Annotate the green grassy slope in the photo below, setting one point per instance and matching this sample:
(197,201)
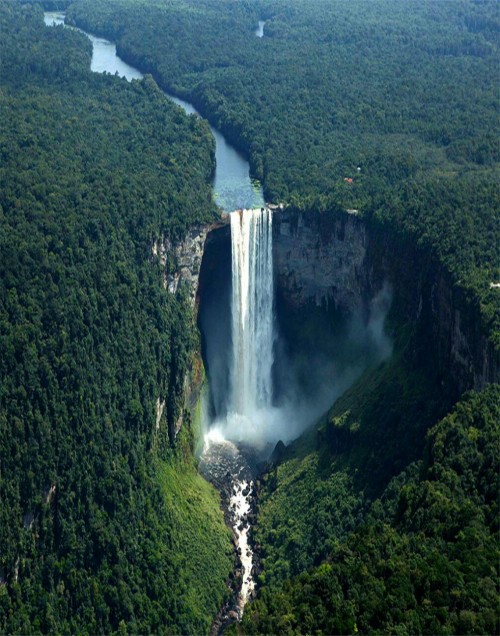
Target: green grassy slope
(200,539)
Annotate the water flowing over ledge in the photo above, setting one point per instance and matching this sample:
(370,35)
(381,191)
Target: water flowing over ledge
(222,462)
(250,382)
(259,32)
(252,311)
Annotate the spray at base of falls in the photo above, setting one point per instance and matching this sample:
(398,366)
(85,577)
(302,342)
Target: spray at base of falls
(250,413)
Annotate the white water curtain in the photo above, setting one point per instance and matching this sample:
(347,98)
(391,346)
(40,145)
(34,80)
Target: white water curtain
(252,311)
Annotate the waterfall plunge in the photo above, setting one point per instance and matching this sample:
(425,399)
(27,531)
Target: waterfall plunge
(258,398)
(250,414)
(250,384)
(252,311)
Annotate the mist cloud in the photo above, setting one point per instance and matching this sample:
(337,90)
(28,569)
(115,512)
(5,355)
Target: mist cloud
(364,344)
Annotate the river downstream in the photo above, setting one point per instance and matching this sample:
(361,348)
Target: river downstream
(232,470)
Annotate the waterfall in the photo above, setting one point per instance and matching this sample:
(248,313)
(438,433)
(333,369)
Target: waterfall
(231,467)
(252,312)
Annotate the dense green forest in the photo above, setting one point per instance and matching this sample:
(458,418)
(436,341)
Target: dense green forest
(400,97)
(385,518)
(105,524)
(424,559)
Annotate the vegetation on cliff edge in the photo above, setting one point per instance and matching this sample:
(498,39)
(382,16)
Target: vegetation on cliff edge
(387,107)
(424,559)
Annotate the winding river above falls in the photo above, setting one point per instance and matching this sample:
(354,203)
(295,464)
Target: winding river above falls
(233,187)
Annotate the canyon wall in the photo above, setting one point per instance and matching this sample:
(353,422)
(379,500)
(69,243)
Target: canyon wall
(342,261)
(181,265)
(320,258)
(338,262)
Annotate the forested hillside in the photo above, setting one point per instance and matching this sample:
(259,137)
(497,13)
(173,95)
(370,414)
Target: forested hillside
(105,524)
(400,98)
(385,520)
(424,559)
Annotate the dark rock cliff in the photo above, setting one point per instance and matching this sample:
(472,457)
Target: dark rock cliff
(341,260)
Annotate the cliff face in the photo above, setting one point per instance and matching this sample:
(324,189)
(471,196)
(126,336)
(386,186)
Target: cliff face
(340,260)
(320,259)
(181,266)
(181,262)
(463,348)
(340,263)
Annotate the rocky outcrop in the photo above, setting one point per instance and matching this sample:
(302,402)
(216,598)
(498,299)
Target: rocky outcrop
(160,407)
(181,262)
(463,347)
(341,262)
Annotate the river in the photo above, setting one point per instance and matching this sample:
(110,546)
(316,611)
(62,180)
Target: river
(233,187)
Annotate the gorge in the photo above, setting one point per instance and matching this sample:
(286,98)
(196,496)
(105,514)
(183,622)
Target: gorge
(346,295)
(342,271)
(330,364)
(331,271)
(339,265)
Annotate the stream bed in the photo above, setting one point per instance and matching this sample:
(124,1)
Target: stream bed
(232,469)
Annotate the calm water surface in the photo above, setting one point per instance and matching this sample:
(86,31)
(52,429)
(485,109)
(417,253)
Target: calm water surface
(233,188)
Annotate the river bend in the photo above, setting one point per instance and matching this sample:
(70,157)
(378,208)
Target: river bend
(233,188)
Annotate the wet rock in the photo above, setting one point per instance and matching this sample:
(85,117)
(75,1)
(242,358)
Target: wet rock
(319,259)
(231,469)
